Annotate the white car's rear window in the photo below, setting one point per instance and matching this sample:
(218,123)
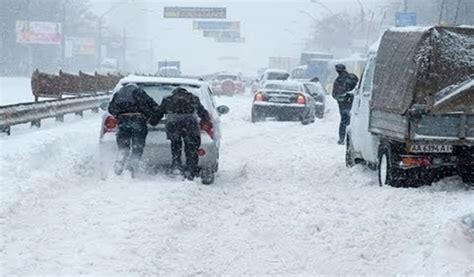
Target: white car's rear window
(158,91)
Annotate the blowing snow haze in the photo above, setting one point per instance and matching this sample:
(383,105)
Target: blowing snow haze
(236,138)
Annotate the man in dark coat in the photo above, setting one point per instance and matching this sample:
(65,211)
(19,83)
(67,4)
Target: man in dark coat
(133,108)
(343,84)
(182,108)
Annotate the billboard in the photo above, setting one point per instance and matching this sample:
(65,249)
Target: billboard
(194,12)
(216,25)
(403,19)
(37,32)
(229,40)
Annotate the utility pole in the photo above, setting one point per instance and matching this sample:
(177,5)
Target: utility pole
(124,49)
(457,12)
(405,5)
(443,2)
(99,31)
(63,35)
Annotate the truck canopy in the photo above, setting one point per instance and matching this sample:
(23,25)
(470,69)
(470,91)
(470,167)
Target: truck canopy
(417,65)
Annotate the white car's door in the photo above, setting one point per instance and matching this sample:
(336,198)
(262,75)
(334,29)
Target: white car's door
(363,141)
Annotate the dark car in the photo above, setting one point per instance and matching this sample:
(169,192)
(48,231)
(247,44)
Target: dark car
(284,100)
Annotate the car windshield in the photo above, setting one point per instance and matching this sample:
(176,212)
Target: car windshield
(278,76)
(227,77)
(290,87)
(158,91)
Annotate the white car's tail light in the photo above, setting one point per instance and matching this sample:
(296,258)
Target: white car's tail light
(300,99)
(110,124)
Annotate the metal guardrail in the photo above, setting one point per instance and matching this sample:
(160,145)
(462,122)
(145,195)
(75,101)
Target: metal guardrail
(34,112)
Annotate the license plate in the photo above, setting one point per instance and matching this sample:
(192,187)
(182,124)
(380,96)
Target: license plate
(431,148)
(279,100)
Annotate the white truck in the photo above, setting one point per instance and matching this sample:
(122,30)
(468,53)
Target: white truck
(412,117)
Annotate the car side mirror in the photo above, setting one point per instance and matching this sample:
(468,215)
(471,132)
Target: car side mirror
(104,106)
(223,109)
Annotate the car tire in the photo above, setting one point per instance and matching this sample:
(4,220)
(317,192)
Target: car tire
(306,120)
(320,115)
(386,172)
(256,117)
(207,176)
(467,174)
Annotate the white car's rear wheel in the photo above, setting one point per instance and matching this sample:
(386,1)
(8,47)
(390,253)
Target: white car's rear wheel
(207,176)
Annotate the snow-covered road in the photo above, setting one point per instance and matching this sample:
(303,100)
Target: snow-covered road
(283,203)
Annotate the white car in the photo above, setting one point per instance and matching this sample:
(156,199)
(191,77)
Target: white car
(157,153)
(270,75)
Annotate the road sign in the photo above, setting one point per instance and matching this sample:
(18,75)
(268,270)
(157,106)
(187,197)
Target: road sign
(195,12)
(229,40)
(403,19)
(216,25)
(221,34)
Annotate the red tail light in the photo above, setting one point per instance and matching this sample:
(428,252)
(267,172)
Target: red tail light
(300,99)
(415,161)
(201,152)
(259,96)
(110,124)
(208,128)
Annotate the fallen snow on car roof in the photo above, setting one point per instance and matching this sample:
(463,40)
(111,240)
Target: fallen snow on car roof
(152,79)
(276,70)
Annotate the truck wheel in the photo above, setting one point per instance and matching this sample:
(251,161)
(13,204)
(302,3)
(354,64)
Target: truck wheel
(350,159)
(387,174)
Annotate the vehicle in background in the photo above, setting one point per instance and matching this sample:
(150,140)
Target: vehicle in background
(157,151)
(169,71)
(285,63)
(316,90)
(418,127)
(169,68)
(272,74)
(284,100)
(108,65)
(314,68)
(227,84)
(299,73)
(313,64)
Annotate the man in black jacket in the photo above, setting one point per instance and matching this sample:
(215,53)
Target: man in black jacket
(182,125)
(133,108)
(343,84)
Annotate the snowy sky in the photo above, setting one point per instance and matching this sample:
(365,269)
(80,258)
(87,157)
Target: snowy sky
(270,28)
